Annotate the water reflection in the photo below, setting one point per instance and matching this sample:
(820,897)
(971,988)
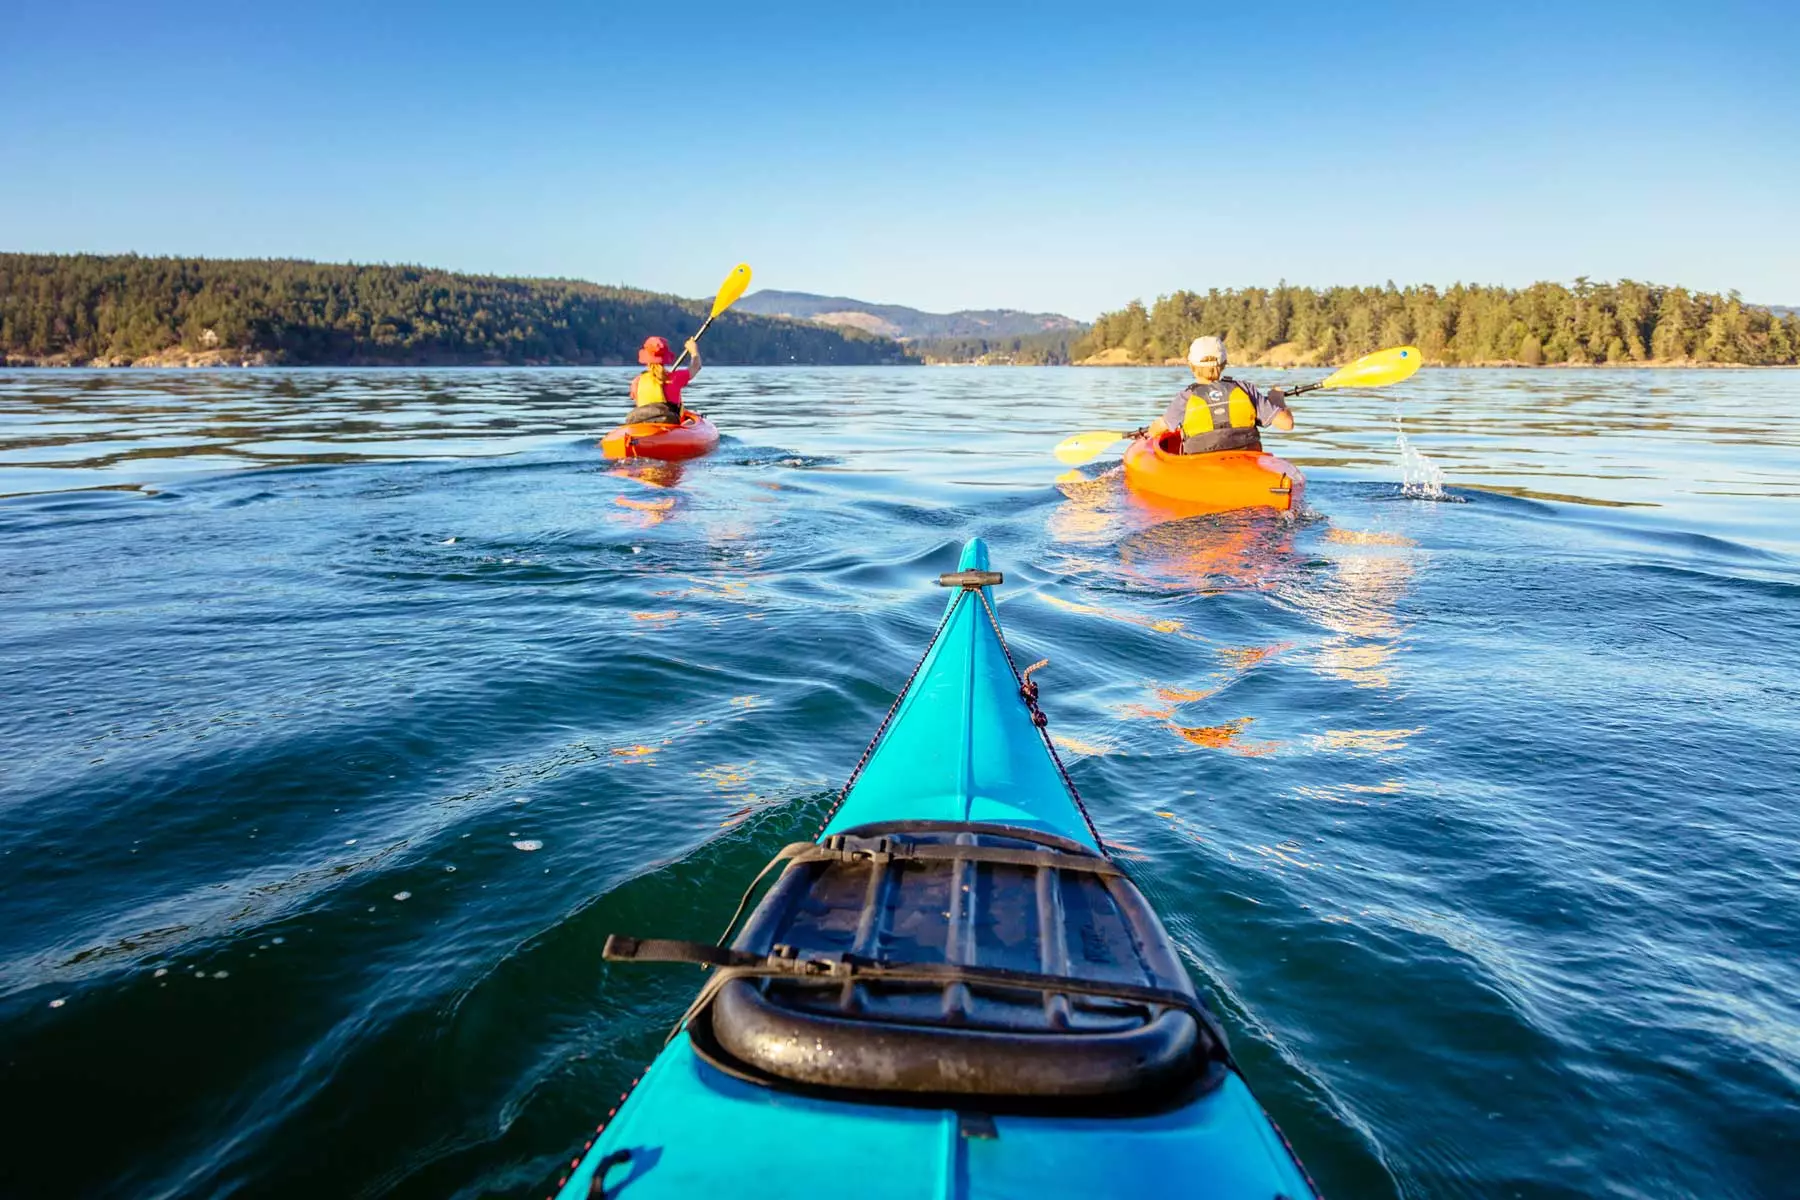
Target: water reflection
(1160,546)
(1357,602)
(649,471)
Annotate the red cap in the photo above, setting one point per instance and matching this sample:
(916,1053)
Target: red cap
(656,349)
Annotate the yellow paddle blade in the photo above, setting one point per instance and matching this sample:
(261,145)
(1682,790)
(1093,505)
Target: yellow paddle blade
(1378,369)
(732,288)
(1085,447)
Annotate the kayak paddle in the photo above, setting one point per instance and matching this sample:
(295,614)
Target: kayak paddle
(1086,447)
(1371,370)
(729,292)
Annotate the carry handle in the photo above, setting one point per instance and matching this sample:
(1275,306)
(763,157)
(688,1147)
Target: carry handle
(970,580)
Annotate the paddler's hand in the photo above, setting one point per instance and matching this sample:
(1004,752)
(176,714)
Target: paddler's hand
(693,348)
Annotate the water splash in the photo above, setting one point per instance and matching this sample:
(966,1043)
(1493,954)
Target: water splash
(1420,478)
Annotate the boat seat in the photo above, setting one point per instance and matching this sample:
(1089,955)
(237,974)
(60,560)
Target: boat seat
(953,961)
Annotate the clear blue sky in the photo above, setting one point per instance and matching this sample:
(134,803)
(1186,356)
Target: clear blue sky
(1044,156)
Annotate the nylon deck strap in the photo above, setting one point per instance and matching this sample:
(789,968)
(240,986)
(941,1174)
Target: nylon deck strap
(786,963)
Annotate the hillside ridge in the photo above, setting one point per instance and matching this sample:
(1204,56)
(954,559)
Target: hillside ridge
(131,310)
(902,322)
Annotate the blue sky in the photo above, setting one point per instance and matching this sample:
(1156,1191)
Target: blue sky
(1044,156)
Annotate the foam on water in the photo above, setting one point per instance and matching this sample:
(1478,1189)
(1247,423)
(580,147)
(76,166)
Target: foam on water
(1420,478)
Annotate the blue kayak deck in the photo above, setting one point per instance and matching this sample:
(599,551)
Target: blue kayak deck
(962,746)
(693,1131)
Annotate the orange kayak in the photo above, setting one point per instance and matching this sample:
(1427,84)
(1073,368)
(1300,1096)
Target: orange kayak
(694,436)
(1217,482)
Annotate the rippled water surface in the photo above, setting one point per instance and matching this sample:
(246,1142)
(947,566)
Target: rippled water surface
(343,713)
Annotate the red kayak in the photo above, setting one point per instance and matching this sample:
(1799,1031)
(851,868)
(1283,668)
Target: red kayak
(694,436)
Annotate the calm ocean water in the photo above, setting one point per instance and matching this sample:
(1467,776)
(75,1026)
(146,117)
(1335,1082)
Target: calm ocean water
(343,713)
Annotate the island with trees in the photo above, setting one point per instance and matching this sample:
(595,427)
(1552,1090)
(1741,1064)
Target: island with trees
(1585,324)
(1050,348)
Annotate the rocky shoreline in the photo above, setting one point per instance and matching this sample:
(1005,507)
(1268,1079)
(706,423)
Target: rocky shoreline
(176,357)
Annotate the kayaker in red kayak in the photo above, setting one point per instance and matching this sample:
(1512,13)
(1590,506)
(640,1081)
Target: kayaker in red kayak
(657,392)
(1217,412)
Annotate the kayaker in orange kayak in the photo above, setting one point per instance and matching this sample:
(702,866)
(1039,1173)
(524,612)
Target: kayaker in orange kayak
(657,392)
(1217,412)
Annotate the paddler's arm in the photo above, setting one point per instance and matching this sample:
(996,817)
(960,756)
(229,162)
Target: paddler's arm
(1176,413)
(693,349)
(1271,409)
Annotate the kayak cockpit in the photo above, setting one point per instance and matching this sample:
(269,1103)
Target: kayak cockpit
(916,962)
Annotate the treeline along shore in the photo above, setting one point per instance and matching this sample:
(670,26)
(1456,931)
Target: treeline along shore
(1587,324)
(125,310)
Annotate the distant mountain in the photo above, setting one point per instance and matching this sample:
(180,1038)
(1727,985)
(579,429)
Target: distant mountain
(1782,310)
(902,323)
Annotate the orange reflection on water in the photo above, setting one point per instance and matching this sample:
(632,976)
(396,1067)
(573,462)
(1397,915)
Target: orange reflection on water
(1226,737)
(632,751)
(650,471)
(1157,548)
(646,513)
(1175,695)
(1224,552)
(1242,658)
(1239,660)
(1214,737)
(1092,511)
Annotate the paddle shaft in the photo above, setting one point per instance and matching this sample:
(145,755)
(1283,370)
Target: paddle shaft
(704,326)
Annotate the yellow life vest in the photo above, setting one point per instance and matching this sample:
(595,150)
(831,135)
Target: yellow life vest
(1218,416)
(647,389)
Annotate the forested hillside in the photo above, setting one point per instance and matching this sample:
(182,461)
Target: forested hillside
(1547,323)
(122,308)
